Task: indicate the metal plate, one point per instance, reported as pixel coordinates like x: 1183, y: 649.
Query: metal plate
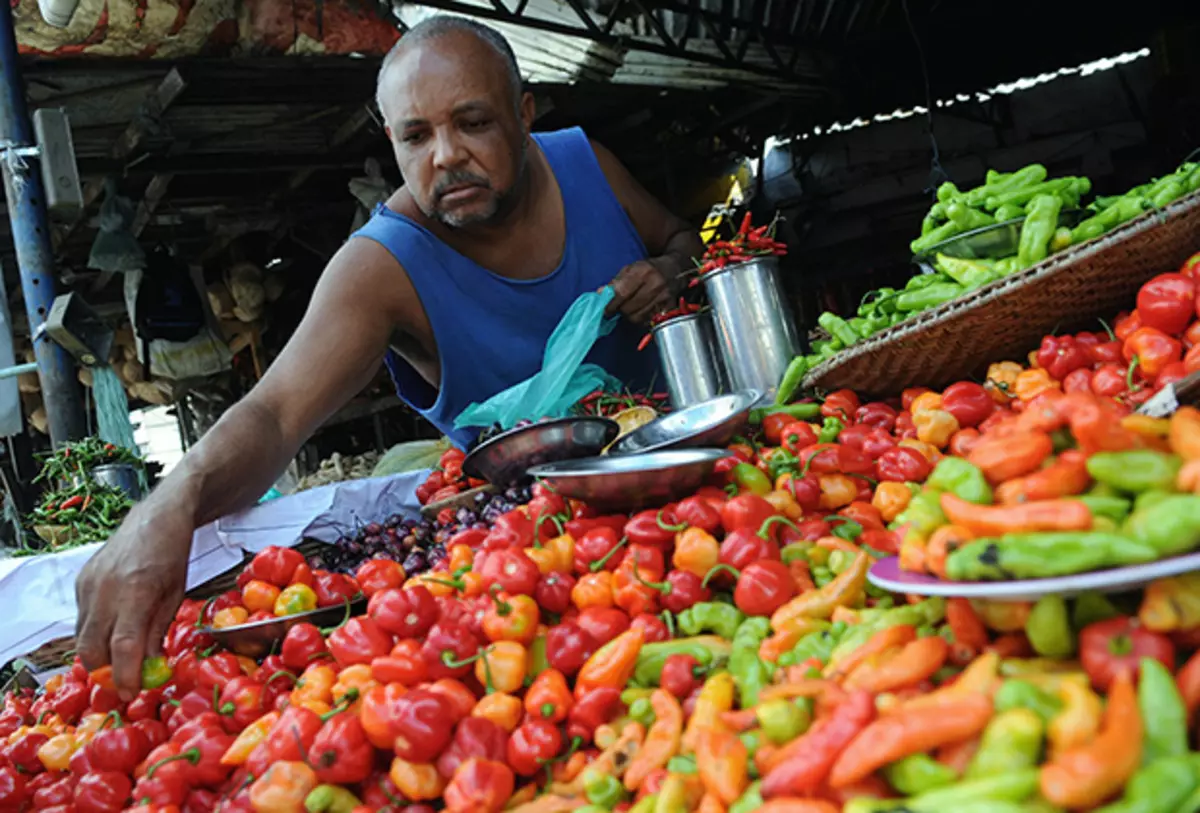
x: 630, y: 482
x: 886, y: 573
x: 504, y: 459
x: 711, y: 424
x: 258, y: 639
x: 991, y: 242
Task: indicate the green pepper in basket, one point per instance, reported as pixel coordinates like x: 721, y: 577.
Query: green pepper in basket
x: 1009, y: 211
x: 1048, y: 628
x: 1072, y: 188
x: 801, y: 412
x: 792, y: 376
x: 918, y: 773
x: 947, y: 192
x: 1041, y: 555
x: 929, y: 297
x: 1164, y: 717
x: 1024, y: 178
x: 708, y: 650
x: 838, y: 328
x: 1021, y: 694
x: 1120, y: 211
x: 937, y: 235
x: 1170, y: 527
x: 1011, y: 742
x: 1136, y: 470
x: 968, y: 218
x: 1038, y: 229
x: 156, y: 672
x: 962, y: 479
x: 711, y: 616
x: 968, y: 273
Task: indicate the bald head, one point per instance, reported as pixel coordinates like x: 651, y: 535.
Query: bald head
x: 442, y: 26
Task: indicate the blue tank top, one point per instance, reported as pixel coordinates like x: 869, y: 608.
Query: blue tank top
x: 491, y: 331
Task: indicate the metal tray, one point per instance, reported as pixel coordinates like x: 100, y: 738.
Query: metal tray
x: 711, y: 423
x: 633, y: 481
x: 990, y: 242
x: 504, y: 459
x: 260, y: 638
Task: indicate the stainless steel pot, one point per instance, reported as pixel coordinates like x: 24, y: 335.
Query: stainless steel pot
x: 686, y: 348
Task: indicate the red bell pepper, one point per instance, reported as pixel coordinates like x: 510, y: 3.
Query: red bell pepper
x: 1061, y: 355
x: 474, y: 737
x: 773, y: 425
x: 512, y: 570
x: 841, y: 404
x: 23, y: 752
x: 568, y: 647
x: 103, y: 792
x: 12, y: 788
x: 289, y: 740
x: 578, y: 528
x: 359, y: 640
x: 241, y: 703
x: 117, y: 747
x: 601, y: 624
x: 333, y: 589
x: 763, y: 587
x: 903, y: 465
x: 748, y: 511
x: 1078, y: 381
x: 340, y: 753
x: 654, y: 629
x: 681, y: 675
x: 742, y: 548
x: 405, y: 665
x: 479, y: 786
x: 1101, y: 348
x: 653, y: 528
x: 303, y: 644
x: 533, y: 744
x: 806, y: 491
x: 275, y: 565
x: 877, y: 414
x: 1109, y: 380
x: 449, y: 650
x: 1153, y: 350
x: 58, y: 792
x: 969, y: 403
x: 420, y: 726
x: 216, y: 670
x: 798, y: 435
x: 1168, y: 302
x: 1108, y: 647
x: 513, y: 529
x: 697, y: 512
x: 374, y: 575
x: 407, y: 613
x: 553, y: 592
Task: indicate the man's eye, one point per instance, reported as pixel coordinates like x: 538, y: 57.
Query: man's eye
x: 477, y: 124
x: 411, y: 138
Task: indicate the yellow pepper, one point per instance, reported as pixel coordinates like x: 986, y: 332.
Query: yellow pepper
x: 847, y: 589
x: 353, y: 681
x: 925, y: 402
x: 417, y: 781
x: 1146, y: 426
x: 926, y: 450
x: 1032, y: 383
x: 912, y: 551
x: 295, y: 599
x: 837, y: 490
x: 1079, y: 719
x: 330, y: 799
x: 935, y: 426
x: 240, y: 749
x: 716, y: 696
x: 785, y: 504
x: 890, y: 499
x: 315, y: 684
x: 556, y: 555
x: 1172, y: 604
x: 1184, y: 433
x: 1001, y: 381
x: 696, y: 551
x: 283, y: 788
x: 1003, y: 616
x: 230, y: 617
x: 55, y: 753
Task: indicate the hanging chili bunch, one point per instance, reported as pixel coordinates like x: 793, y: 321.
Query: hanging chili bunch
x: 684, y: 309
x: 747, y: 244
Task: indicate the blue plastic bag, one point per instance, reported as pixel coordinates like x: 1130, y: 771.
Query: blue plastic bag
x: 564, y: 378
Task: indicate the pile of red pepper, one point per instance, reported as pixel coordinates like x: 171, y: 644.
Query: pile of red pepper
x: 447, y: 479
x: 747, y: 244
x: 606, y: 404
x: 685, y: 308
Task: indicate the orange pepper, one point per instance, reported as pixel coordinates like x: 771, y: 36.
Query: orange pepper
x: 722, y: 761
x: 240, y: 749
x: 612, y: 664
x: 249, y: 666
x: 783, y: 640
x: 904, y: 667
x: 1002, y: 616
x: 103, y: 678
x: 283, y: 788
x: 837, y: 490
x: 1003, y: 458
x: 376, y: 713
x: 662, y: 740
x: 54, y: 683
x: 943, y: 542
x: 696, y: 551
x: 417, y: 781
x: 890, y: 499
x: 1188, y: 479
x: 926, y: 450
x: 230, y: 617
x: 549, y: 697
x: 315, y: 684
x: 997, y: 520
x: 970, y: 633
x: 89, y: 724
x: 886, y: 639
x: 913, y: 552
x: 439, y: 582
x: 1064, y: 477
x: 963, y: 441
x: 925, y: 402
x: 55, y: 753
x: 259, y: 595
x: 1184, y: 433
x: 981, y: 676
x: 1001, y: 381
x: 352, y: 683
x: 502, y: 709
x: 784, y: 503
x: 1032, y: 383
x: 935, y: 426
x: 456, y: 694
x: 501, y: 667
x: 461, y: 558
x: 593, y: 590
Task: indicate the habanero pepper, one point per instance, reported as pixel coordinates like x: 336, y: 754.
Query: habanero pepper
x: 656, y: 528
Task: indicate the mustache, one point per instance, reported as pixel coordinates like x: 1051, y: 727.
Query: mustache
x: 458, y: 179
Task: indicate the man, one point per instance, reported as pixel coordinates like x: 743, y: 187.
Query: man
x: 458, y: 281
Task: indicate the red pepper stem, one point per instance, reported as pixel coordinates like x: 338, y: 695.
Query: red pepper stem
x: 669, y: 620
x: 764, y: 531
x: 285, y: 673
x: 191, y: 756
x: 503, y: 608
x: 663, y: 587
x: 737, y: 574
x: 203, y: 609
x: 449, y: 661
x: 342, y: 623
x: 599, y: 564
x: 346, y: 702
x: 658, y: 519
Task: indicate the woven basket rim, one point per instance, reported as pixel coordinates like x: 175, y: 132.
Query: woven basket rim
x: 981, y: 297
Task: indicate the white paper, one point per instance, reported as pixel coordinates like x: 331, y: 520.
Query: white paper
x: 38, y: 592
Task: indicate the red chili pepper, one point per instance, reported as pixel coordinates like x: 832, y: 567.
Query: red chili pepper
x: 740, y: 549
x: 102, y: 792
x: 645, y: 342
x: 763, y: 587
x: 1061, y: 355
x: 681, y: 675
x: 801, y: 767
x: 901, y: 464
x: 656, y: 528
x: 449, y: 650
x: 216, y: 670
x: 1152, y: 349
x: 568, y: 647
x: 1108, y: 647
x: 374, y: 575
x: 340, y: 753
x: 746, y: 511
x: 420, y: 726
x: 241, y: 703
x: 697, y: 512
x: 598, y: 550
x: 841, y: 404
x: 532, y: 745
x: 578, y: 528
x: 970, y: 403
x: 553, y: 592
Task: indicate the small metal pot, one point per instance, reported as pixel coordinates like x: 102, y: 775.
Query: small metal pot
x: 689, y: 360
x: 120, y: 475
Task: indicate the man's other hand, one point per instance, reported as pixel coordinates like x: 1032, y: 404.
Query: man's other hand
x: 642, y: 290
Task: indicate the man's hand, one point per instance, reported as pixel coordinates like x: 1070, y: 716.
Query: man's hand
x: 643, y: 289
x: 128, y: 593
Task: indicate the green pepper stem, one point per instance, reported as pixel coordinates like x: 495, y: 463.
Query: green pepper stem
x: 449, y: 661
x: 1112, y: 337
x: 599, y: 564
x: 668, y: 618
x: 191, y: 756
x: 346, y: 702
x: 663, y: 587
x: 765, y: 531
x: 717, y: 569
x: 342, y: 623
x: 1133, y: 365
x: 658, y: 520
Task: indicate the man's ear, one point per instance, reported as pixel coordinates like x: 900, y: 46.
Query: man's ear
x: 388, y: 131
x: 528, y: 111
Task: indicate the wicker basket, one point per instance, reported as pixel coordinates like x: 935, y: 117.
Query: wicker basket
x: 1005, y: 320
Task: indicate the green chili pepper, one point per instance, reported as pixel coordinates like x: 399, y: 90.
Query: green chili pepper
x: 646, y: 804
x: 962, y: 479
x: 156, y: 672
x: 603, y: 789
x: 708, y: 650
x: 1119, y: 211
x: 924, y: 511
x: 749, y: 801
x: 968, y: 273
x: 629, y: 695
x: 1072, y: 187
x: 1024, y: 178
x: 801, y: 412
x: 749, y: 671
x: 1040, y: 555
x: 1115, y: 508
x: 685, y: 763
x: 946, y: 193
x: 967, y: 218
x: 1136, y: 470
x: 782, y: 720
x: 1038, y: 229
x: 929, y: 297
x: 934, y: 236
x: 640, y: 711
x: 751, y: 478
x: 1170, y: 527
x: 711, y: 616
x: 927, y: 612
x: 1009, y: 211
x: 1021, y: 694
x: 1149, y: 499
x: 330, y: 799
x: 1162, y: 786
x: 538, y: 661
x: 752, y: 740
x: 918, y: 773
x: 1015, y: 786
x: 1090, y: 608
x: 837, y: 327
x: 1164, y: 717
x: 1173, y: 190
x: 830, y: 429
x: 1048, y: 628
x: 792, y: 376
x: 1011, y: 742
x: 817, y: 645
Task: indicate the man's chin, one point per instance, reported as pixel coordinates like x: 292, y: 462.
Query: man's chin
x: 466, y: 217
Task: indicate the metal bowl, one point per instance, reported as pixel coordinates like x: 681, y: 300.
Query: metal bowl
x: 630, y: 482
x: 504, y: 459
x: 259, y: 638
x: 991, y: 242
x: 709, y: 424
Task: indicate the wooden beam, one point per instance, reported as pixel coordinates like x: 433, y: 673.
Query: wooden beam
x: 350, y: 128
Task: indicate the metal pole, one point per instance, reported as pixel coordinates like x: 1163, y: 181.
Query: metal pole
x: 31, y: 238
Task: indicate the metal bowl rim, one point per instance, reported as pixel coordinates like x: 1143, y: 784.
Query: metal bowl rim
x: 716, y: 272
x: 472, y: 458
x: 752, y: 397
x: 266, y: 622
x: 683, y: 317
x: 670, y: 458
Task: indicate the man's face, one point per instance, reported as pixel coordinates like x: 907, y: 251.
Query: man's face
x: 455, y: 128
